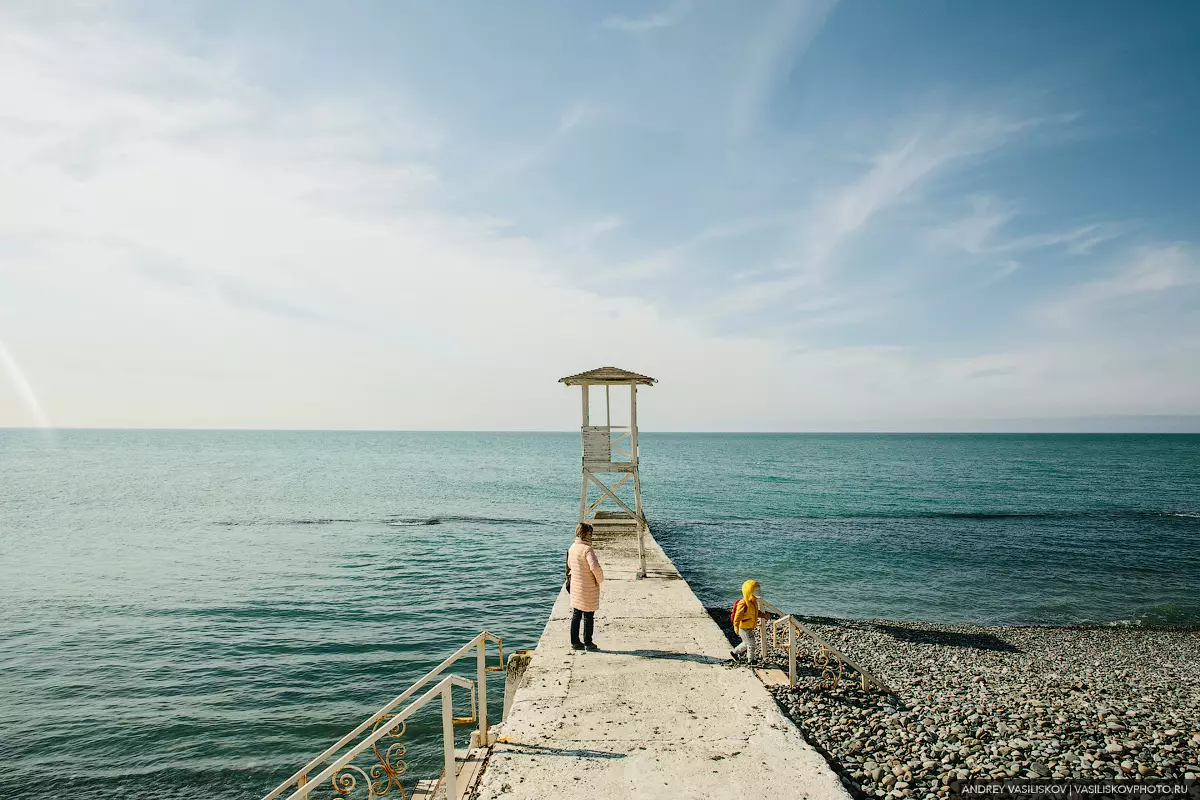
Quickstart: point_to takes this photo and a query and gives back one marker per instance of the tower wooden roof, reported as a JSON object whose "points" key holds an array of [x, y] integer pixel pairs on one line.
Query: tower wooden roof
{"points": [[602, 375]]}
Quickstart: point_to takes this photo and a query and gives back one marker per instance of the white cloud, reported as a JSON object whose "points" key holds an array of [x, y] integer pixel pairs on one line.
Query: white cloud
{"points": [[780, 43], [924, 149], [974, 233], [181, 246], [1149, 272], [666, 18], [184, 279], [1076, 241], [933, 144]]}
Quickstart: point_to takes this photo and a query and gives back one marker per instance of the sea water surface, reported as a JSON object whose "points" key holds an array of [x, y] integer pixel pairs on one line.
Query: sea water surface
{"points": [[184, 611]]}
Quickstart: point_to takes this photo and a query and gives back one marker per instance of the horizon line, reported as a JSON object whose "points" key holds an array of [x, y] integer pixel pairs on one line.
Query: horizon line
{"points": [[777, 432]]}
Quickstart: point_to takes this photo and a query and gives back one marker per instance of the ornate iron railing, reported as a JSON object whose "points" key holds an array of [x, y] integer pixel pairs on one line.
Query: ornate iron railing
{"points": [[387, 723], [828, 659]]}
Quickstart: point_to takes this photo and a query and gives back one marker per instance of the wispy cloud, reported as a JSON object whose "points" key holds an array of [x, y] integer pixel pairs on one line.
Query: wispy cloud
{"points": [[575, 116], [932, 146], [274, 300], [924, 149], [779, 44], [981, 232], [1077, 241], [512, 165], [1149, 272], [666, 18], [975, 232]]}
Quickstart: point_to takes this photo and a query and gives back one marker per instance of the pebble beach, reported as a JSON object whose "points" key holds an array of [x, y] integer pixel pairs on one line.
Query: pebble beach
{"points": [[992, 702]]}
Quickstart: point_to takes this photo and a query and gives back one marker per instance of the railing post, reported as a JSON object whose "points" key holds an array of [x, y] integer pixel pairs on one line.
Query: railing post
{"points": [[762, 639], [792, 653], [481, 680], [448, 742]]}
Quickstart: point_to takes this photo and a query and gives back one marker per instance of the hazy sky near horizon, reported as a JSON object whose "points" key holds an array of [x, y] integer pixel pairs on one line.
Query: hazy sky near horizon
{"points": [[797, 215]]}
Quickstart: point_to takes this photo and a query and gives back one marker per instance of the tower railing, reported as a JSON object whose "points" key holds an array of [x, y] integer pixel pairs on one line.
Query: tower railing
{"points": [[389, 723]]}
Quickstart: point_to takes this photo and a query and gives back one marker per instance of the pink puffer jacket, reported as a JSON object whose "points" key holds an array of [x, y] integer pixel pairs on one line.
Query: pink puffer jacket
{"points": [[586, 576]]}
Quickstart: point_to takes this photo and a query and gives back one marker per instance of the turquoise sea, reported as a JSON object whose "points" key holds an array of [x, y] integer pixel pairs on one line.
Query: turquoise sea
{"points": [[206, 610]]}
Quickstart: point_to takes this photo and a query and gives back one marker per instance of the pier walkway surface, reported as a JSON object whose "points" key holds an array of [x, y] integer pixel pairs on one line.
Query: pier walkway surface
{"points": [[657, 713]]}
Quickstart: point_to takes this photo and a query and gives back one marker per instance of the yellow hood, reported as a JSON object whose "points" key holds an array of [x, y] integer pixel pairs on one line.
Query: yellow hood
{"points": [[748, 590]]}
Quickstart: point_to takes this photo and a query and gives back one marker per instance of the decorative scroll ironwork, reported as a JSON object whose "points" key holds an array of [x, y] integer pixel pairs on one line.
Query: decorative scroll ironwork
{"points": [[829, 679], [832, 664], [381, 778]]}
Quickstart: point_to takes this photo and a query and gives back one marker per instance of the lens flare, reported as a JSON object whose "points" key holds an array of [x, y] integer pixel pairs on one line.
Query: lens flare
{"points": [[24, 388]]}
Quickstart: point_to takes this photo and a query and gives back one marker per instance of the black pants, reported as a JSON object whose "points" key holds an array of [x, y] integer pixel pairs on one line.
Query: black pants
{"points": [[588, 617]]}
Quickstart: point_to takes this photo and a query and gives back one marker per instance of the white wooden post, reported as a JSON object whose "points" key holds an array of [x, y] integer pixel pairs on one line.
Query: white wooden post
{"points": [[792, 653], [481, 680], [448, 743], [633, 444], [583, 486], [583, 496], [762, 639], [637, 480]]}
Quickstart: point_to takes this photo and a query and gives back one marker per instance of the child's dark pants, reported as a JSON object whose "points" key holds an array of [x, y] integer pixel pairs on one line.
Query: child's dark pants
{"points": [[588, 618]]}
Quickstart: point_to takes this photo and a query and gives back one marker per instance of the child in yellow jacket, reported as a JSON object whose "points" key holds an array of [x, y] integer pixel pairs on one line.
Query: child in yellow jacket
{"points": [[745, 617]]}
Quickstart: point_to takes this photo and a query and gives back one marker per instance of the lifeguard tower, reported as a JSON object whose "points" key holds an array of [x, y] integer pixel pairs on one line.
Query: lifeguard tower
{"points": [[604, 455]]}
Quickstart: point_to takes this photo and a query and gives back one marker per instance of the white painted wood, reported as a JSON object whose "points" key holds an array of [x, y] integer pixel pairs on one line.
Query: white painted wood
{"points": [[597, 445], [610, 466], [481, 688], [583, 495], [613, 497], [451, 775], [792, 656], [633, 429], [299, 778], [443, 688], [637, 479], [600, 448], [615, 486]]}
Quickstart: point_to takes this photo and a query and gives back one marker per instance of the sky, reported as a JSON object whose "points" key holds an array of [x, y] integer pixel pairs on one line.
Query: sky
{"points": [[419, 215]]}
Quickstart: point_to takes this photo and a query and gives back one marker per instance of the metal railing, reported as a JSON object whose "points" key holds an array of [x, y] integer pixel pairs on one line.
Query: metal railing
{"points": [[380, 778], [825, 653]]}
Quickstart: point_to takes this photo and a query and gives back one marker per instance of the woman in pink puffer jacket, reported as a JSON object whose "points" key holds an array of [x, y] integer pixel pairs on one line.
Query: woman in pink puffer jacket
{"points": [[585, 574]]}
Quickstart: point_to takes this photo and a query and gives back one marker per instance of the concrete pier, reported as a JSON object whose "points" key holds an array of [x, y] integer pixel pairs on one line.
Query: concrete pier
{"points": [[657, 713]]}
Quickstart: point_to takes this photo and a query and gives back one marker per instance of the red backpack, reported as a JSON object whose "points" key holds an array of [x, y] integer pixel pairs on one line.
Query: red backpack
{"points": [[733, 614]]}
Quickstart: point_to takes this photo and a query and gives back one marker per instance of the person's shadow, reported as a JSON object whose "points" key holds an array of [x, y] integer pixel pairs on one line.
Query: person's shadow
{"points": [[695, 658], [571, 752]]}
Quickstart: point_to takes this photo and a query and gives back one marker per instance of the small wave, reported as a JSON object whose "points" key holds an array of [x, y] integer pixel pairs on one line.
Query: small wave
{"points": [[396, 521], [960, 515], [466, 520], [1167, 615], [318, 521]]}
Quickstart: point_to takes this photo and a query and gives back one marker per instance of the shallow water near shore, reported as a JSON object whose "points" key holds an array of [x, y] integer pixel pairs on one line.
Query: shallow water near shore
{"points": [[186, 610]]}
